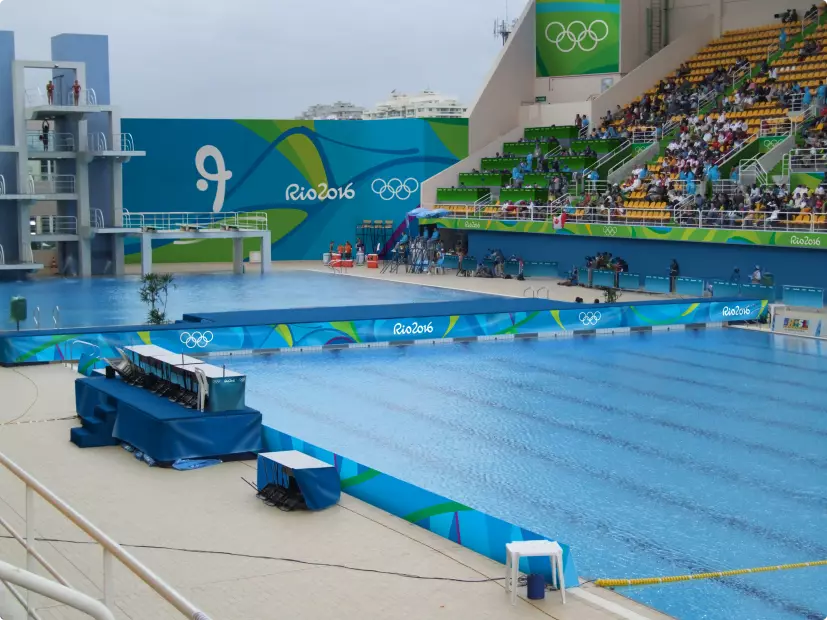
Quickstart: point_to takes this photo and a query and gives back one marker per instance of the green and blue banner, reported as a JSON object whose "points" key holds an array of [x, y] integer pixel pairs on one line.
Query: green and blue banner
{"points": [[206, 338], [785, 239], [315, 180], [461, 524], [577, 38]]}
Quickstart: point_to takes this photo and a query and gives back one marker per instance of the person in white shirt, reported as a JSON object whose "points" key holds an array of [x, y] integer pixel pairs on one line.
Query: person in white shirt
{"points": [[799, 191], [773, 218], [756, 275]]}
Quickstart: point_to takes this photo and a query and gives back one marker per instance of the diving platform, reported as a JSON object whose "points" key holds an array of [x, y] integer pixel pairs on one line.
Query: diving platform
{"points": [[55, 187], [176, 226]]}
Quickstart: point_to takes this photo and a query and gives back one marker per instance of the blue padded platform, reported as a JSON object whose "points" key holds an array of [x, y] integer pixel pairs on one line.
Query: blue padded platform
{"points": [[112, 411]]}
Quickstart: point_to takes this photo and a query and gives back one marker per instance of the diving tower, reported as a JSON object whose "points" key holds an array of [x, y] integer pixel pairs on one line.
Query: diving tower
{"points": [[61, 156]]}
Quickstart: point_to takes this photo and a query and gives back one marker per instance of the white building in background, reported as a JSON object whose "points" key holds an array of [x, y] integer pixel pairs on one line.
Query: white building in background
{"points": [[426, 104], [339, 111]]}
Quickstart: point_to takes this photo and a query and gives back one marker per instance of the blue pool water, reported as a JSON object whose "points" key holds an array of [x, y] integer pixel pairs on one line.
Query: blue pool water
{"points": [[114, 301], [651, 454]]}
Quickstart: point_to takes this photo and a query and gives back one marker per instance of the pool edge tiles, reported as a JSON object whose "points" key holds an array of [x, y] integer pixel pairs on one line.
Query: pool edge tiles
{"points": [[322, 328], [456, 522]]}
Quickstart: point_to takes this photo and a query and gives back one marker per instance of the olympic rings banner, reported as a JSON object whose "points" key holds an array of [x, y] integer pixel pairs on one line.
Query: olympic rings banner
{"points": [[197, 338], [577, 38], [313, 179]]}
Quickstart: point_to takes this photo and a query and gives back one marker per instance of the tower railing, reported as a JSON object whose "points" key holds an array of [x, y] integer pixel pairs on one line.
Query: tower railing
{"points": [[60, 142], [51, 184], [111, 551], [195, 222], [54, 225]]}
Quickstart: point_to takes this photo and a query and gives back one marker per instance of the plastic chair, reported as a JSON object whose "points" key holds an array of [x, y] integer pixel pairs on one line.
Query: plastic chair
{"points": [[533, 549]]}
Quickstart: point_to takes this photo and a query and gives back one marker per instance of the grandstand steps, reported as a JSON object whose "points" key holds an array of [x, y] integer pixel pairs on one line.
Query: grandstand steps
{"points": [[646, 154]]}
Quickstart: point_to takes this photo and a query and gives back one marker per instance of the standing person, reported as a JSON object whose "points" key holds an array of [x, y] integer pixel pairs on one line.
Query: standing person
{"points": [[76, 91], [50, 92], [782, 39], [674, 272], [44, 135]]}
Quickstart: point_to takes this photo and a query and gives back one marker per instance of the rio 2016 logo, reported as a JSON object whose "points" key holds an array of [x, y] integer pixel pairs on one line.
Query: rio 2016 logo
{"points": [[805, 240], [414, 328], [735, 311], [220, 176], [320, 192]]}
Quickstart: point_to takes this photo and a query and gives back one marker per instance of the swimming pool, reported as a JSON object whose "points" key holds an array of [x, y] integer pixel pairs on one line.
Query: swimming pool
{"points": [[114, 301], [651, 454]]}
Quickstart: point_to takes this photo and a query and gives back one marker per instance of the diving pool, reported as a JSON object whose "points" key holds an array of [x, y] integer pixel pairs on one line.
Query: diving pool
{"points": [[114, 301], [651, 454]]}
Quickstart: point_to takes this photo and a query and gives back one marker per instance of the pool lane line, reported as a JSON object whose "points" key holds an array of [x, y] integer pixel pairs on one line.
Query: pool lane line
{"points": [[714, 471], [641, 490], [740, 414], [810, 385], [777, 349], [751, 360], [648, 581], [820, 464], [605, 528], [730, 389]]}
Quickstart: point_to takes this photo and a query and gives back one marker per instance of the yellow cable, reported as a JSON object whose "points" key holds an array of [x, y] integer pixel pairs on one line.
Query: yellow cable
{"points": [[647, 581]]}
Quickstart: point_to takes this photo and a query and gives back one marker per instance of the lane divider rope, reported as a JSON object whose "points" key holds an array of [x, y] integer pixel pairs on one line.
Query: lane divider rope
{"points": [[647, 581]]}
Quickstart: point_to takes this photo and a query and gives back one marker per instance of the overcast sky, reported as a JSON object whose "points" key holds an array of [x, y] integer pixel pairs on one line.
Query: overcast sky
{"points": [[270, 58]]}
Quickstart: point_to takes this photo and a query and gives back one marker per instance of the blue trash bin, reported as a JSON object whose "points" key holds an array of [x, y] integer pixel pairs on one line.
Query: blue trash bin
{"points": [[536, 587]]}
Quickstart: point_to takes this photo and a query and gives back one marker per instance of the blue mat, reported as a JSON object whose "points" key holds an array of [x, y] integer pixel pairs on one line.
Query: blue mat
{"points": [[164, 430]]}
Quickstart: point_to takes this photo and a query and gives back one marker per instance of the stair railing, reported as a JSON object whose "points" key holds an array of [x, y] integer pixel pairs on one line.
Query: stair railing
{"points": [[111, 551]]}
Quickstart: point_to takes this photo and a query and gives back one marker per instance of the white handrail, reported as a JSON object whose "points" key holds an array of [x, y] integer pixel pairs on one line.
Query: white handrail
{"points": [[175, 221], [2, 256], [2, 184], [55, 591], [111, 548], [56, 316], [36, 317]]}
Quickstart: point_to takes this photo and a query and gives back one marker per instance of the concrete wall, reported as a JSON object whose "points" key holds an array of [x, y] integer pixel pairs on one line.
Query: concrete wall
{"points": [[732, 14], [545, 114], [8, 164], [702, 260], [496, 109], [93, 50], [661, 64]]}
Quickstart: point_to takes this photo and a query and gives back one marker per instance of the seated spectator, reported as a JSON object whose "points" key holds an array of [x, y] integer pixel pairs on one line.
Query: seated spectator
{"points": [[756, 275]]}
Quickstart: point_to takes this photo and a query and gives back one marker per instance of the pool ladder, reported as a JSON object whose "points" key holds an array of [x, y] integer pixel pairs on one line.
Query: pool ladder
{"points": [[537, 294], [55, 317]]}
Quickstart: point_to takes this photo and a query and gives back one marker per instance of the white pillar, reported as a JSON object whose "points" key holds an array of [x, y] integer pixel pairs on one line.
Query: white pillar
{"points": [[82, 205], [146, 254], [238, 255], [265, 252]]}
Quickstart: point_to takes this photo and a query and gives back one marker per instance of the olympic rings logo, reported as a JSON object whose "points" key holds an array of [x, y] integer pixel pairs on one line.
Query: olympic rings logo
{"points": [[589, 319], [610, 231], [196, 339], [395, 188], [574, 35]]}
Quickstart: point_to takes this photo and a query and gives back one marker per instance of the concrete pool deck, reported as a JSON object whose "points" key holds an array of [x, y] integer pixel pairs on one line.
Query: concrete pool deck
{"points": [[189, 516]]}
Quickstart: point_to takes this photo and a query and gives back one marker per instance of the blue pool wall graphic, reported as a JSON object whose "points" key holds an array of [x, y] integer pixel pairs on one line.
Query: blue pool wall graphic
{"points": [[251, 165], [461, 524], [315, 327]]}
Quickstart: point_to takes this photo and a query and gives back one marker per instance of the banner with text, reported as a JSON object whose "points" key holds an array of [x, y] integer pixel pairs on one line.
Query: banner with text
{"points": [[576, 38]]}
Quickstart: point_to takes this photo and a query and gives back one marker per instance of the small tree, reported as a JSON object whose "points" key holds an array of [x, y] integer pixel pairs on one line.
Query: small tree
{"points": [[154, 290], [611, 295]]}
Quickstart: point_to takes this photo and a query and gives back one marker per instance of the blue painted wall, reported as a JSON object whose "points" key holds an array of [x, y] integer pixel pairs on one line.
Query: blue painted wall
{"points": [[251, 165], [701, 260]]}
